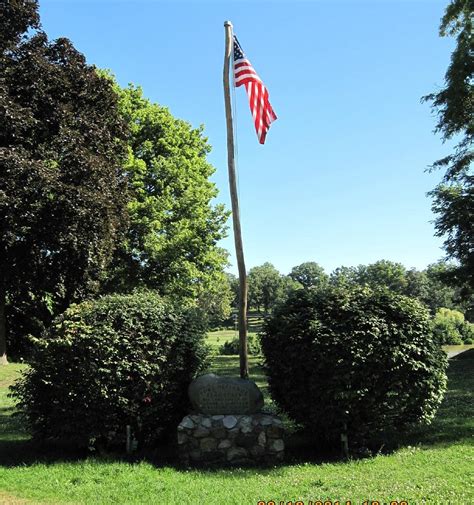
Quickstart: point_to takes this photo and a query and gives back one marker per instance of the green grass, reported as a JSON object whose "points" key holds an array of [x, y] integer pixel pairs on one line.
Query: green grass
{"points": [[216, 338], [434, 465], [10, 428]]}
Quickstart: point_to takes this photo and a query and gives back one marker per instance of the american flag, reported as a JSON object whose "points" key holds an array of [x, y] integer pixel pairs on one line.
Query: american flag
{"points": [[262, 112]]}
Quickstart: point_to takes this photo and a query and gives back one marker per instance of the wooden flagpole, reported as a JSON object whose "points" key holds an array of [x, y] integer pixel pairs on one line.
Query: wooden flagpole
{"points": [[244, 362]]}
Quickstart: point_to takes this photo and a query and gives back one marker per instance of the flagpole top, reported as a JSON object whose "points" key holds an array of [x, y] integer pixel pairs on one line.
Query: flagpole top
{"points": [[227, 23]]}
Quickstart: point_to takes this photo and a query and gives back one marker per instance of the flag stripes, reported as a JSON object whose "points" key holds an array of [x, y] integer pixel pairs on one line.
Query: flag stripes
{"points": [[244, 74]]}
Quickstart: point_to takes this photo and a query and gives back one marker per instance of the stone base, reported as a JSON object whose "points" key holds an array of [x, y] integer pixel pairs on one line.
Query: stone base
{"points": [[230, 440]]}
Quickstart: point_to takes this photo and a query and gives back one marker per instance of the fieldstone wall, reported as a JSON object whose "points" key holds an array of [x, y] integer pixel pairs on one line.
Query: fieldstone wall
{"points": [[231, 439]]}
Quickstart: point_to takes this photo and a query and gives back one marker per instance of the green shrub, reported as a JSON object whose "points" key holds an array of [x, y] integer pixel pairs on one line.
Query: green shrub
{"points": [[360, 362], [467, 332], [233, 346], [109, 363], [448, 326]]}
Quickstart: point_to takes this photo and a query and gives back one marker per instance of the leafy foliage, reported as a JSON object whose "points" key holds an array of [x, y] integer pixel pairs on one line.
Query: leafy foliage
{"points": [[216, 300], [121, 360], [309, 275], [357, 361], [453, 202], [235, 290], [16, 16], [170, 245], [381, 274], [265, 286], [232, 347], [432, 286], [453, 198], [439, 290], [450, 327], [62, 191]]}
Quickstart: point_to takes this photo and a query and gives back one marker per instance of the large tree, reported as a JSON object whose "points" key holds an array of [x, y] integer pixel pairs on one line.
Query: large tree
{"points": [[265, 286], [453, 198], [382, 273], [385, 273], [309, 274], [171, 243], [62, 192], [216, 300]]}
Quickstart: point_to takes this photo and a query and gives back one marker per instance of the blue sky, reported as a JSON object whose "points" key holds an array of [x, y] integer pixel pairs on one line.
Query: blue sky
{"points": [[341, 178]]}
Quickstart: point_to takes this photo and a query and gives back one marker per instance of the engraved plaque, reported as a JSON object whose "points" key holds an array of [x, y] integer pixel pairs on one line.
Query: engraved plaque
{"points": [[212, 395]]}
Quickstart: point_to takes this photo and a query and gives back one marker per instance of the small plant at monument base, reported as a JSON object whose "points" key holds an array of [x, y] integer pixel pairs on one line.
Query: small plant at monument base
{"points": [[116, 362], [354, 365]]}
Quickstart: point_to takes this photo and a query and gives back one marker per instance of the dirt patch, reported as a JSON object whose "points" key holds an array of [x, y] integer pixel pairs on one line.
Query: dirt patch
{"points": [[8, 499], [6, 383]]}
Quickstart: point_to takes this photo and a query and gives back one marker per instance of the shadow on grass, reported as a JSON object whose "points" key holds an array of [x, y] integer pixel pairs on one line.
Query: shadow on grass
{"points": [[453, 424], [25, 452]]}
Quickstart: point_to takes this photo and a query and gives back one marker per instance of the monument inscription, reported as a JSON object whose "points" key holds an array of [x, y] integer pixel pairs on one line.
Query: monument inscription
{"points": [[214, 395], [225, 397]]}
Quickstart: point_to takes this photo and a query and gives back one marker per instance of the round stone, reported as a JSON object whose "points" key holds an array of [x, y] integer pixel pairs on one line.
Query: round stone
{"points": [[229, 422], [187, 422], [206, 422], [245, 424]]}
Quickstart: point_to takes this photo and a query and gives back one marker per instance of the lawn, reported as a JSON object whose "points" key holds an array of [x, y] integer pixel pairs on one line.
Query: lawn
{"points": [[216, 338], [434, 465]]}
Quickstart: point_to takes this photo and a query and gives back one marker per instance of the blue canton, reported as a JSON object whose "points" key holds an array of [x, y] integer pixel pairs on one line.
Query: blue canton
{"points": [[238, 52]]}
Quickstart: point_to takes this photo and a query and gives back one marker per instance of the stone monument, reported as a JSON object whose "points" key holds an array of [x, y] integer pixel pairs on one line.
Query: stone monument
{"points": [[227, 425]]}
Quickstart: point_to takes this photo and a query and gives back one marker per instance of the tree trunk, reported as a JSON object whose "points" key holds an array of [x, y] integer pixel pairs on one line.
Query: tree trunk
{"points": [[3, 325]]}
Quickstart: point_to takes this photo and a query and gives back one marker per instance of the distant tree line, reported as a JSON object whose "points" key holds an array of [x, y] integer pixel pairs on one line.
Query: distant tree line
{"points": [[449, 306]]}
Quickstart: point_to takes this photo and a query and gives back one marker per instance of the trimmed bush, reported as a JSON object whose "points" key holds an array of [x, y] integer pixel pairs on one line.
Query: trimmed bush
{"points": [[109, 363], [356, 362]]}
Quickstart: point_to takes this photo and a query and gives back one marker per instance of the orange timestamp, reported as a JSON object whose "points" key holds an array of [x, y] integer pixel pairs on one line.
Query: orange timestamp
{"points": [[330, 502]]}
